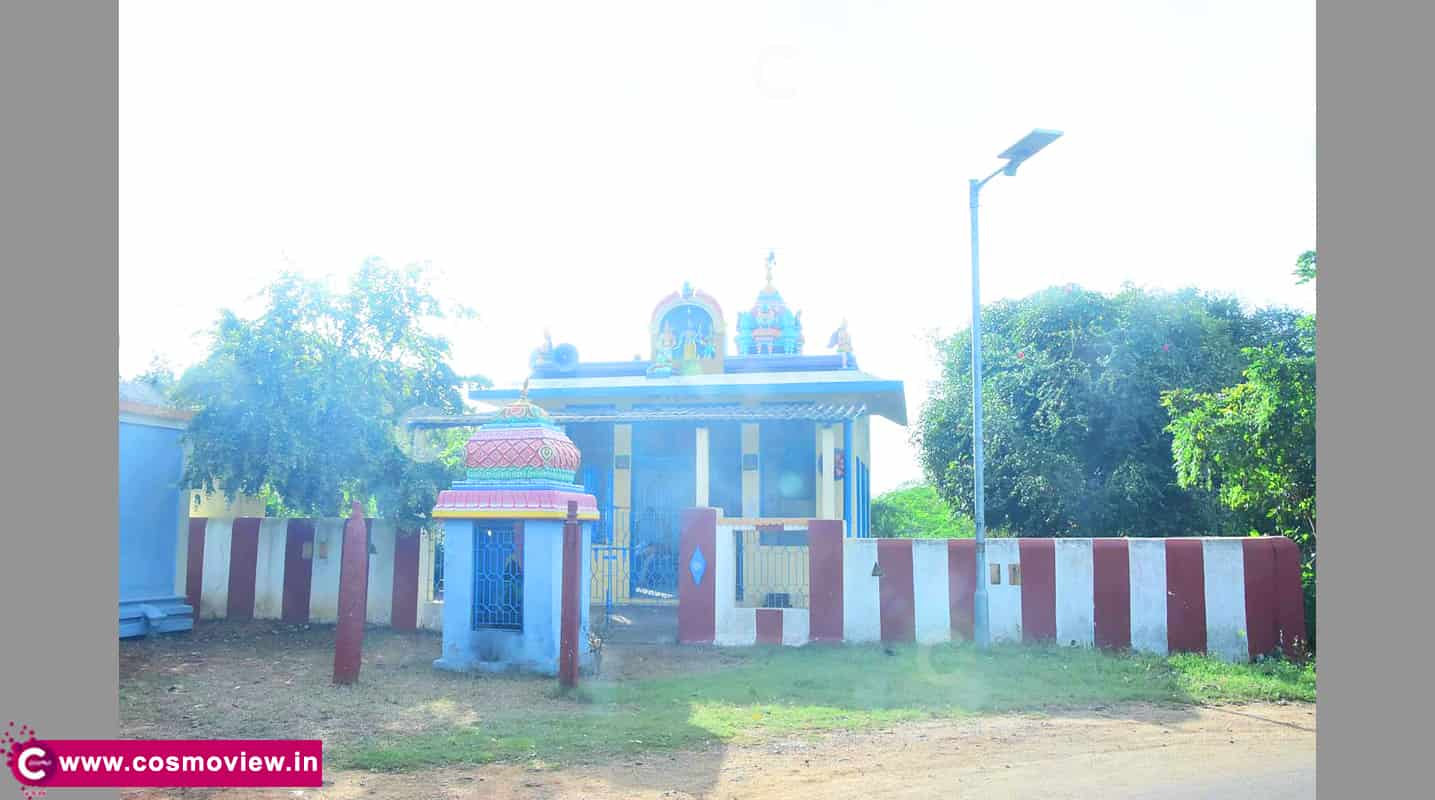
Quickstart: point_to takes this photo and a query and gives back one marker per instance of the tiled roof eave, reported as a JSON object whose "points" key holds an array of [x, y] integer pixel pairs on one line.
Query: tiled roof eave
{"points": [[819, 412]]}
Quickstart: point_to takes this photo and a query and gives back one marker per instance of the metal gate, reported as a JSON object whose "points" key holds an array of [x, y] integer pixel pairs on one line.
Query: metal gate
{"points": [[653, 560], [610, 569], [642, 572]]}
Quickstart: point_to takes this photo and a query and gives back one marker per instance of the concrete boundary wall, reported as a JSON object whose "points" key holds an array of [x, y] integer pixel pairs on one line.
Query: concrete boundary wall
{"points": [[288, 569], [1235, 598]]}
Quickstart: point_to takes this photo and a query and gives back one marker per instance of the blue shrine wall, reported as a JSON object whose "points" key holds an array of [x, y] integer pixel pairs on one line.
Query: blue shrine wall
{"points": [[151, 504], [725, 467], [467, 646], [788, 468], [594, 441], [664, 463]]}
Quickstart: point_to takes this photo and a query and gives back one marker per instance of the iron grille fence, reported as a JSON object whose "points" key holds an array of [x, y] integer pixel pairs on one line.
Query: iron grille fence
{"points": [[438, 571], [772, 567], [497, 579], [638, 565]]}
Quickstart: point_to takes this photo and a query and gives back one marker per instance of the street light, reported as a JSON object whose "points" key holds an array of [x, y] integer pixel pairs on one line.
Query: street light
{"points": [[1015, 156]]}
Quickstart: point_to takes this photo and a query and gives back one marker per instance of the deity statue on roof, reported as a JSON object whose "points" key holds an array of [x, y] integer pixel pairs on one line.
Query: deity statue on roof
{"points": [[542, 356], [687, 333], [690, 341], [842, 340], [667, 343], [663, 352]]}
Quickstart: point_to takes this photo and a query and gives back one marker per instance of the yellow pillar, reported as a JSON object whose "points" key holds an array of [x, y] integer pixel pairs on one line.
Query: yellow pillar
{"points": [[826, 497], [622, 482], [700, 469], [751, 497]]}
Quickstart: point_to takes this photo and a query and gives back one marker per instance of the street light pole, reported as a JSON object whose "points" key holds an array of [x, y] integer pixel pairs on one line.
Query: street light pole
{"points": [[980, 617], [1015, 155]]}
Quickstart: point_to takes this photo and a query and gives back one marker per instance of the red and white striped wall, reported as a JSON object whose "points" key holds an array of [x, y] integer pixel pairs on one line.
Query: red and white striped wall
{"points": [[735, 625], [1232, 597], [288, 569]]}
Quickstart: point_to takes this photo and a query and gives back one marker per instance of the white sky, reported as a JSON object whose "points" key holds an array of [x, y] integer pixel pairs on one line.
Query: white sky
{"points": [[567, 165]]}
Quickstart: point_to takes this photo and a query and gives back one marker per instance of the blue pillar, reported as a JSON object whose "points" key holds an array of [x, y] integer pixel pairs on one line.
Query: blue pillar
{"points": [[849, 498], [457, 596], [864, 501]]}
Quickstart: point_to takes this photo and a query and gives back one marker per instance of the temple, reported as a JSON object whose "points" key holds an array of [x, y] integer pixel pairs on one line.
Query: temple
{"points": [[755, 427]]}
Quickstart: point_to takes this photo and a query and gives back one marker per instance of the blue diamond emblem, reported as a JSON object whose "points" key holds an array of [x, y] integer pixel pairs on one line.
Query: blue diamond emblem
{"points": [[697, 565]]}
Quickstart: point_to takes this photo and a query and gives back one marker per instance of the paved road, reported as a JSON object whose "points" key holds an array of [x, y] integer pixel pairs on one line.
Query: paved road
{"points": [[1294, 783]]}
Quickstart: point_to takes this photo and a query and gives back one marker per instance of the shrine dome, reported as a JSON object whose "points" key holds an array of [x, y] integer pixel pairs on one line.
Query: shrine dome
{"points": [[520, 465], [770, 327], [521, 445]]}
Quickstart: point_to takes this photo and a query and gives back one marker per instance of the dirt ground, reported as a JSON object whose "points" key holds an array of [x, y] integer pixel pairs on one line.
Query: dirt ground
{"points": [[225, 681], [1130, 751], [168, 691]]}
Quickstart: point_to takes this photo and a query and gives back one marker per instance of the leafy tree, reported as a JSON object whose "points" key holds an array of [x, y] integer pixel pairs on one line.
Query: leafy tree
{"points": [[1254, 442], [160, 375], [303, 404], [1305, 267], [915, 511], [1074, 427]]}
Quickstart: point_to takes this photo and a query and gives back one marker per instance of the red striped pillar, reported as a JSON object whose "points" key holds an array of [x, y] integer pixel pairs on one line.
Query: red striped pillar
{"points": [[895, 592], [298, 571], [824, 565], [1185, 596], [405, 602], [243, 567], [1290, 599], [569, 611], [769, 626], [1259, 563], [194, 566], [1111, 586], [962, 585], [353, 580], [1038, 589], [697, 595]]}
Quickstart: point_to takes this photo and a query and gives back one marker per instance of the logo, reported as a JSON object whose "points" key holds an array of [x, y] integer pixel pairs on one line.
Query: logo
{"points": [[30, 760]]}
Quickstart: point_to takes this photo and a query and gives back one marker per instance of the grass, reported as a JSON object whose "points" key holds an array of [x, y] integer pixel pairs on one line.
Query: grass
{"points": [[814, 690]]}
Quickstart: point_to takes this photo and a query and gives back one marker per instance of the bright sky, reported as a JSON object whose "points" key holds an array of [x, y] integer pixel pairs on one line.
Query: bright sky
{"points": [[567, 165]]}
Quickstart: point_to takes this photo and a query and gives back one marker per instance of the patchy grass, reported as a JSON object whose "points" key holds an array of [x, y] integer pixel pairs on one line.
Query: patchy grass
{"points": [[268, 680], [785, 692], [1208, 680]]}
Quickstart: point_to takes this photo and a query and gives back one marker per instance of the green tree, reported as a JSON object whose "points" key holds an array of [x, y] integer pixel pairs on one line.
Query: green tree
{"points": [[1305, 267], [915, 511], [160, 375], [1074, 428], [303, 405], [1254, 442]]}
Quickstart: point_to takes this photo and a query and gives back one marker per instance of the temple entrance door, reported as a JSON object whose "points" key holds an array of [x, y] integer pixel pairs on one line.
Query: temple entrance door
{"points": [[663, 474]]}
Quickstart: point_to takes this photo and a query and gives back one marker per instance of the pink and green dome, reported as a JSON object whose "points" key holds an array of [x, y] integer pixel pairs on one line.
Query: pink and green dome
{"points": [[520, 466], [522, 446]]}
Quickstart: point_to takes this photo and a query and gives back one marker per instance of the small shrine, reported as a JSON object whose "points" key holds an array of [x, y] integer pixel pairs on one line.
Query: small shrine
{"points": [[504, 546]]}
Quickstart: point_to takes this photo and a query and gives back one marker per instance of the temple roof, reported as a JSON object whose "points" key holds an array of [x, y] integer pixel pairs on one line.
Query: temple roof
{"points": [[690, 365], [141, 400], [838, 387], [730, 412]]}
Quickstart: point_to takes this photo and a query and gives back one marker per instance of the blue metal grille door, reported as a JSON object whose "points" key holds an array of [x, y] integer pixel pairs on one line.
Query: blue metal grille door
{"points": [[654, 555], [497, 579], [664, 463]]}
